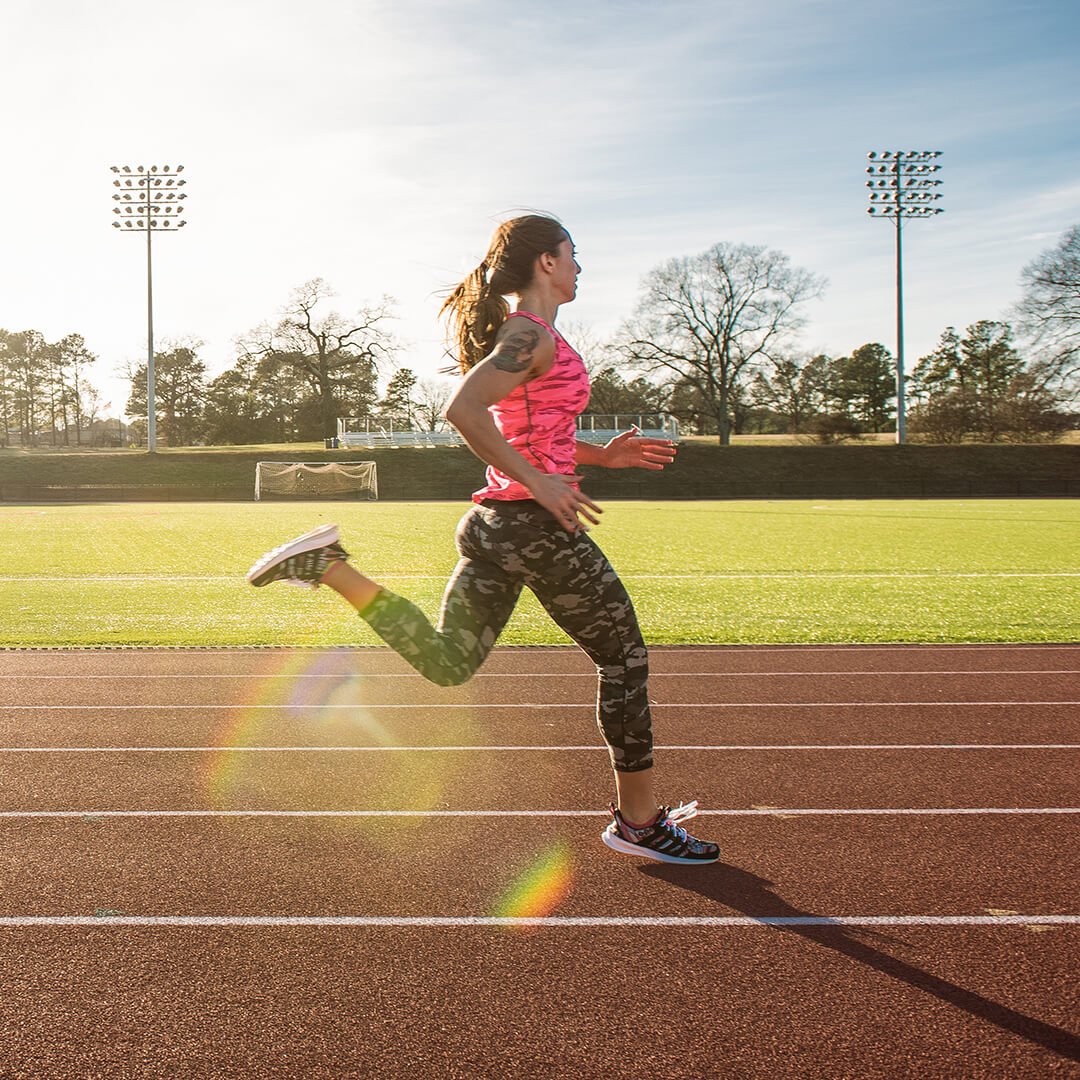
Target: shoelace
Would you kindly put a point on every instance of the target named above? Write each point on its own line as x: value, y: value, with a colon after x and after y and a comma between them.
x: 669, y: 820
x: 670, y: 824
x: 672, y: 816
x: 683, y: 812
x: 672, y: 829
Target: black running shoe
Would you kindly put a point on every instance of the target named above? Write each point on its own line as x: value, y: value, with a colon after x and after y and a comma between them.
x: 302, y: 561
x: 665, y: 840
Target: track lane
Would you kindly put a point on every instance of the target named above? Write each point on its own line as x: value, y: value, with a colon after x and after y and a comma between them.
x: 515, y: 725
x: 327, y: 1003
x: 419, y: 868
x: 144, y: 780
x: 516, y: 660
x: 804, y: 1001
x: 383, y: 691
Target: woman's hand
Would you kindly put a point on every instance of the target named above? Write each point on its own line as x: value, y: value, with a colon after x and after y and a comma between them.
x: 555, y: 492
x: 632, y: 451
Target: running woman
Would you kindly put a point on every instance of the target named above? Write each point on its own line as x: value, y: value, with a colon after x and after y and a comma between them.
x: 516, y: 407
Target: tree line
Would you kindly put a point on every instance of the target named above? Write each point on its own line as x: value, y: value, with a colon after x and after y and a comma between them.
x: 712, y: 340
x: 292, y: 380
x: 44, y: 388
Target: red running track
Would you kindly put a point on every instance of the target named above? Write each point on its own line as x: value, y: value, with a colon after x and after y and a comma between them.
x: 298, y: 864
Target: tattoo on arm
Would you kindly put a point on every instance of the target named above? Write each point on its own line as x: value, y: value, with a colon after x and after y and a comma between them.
x: 515, y: 352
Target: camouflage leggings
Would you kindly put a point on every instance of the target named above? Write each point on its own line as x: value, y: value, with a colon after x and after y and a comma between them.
x: 504, y: 547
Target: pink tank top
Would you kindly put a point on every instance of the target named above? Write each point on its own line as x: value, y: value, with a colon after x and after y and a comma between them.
x: 538, y: 419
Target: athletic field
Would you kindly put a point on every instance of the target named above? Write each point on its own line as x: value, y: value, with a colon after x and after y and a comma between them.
x: 713, y: 572
x: 306, y: 861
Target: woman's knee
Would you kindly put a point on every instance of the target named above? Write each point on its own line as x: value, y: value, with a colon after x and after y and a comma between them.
x: 449, y: 675
x: 629, y: 663
x: 630, y: 750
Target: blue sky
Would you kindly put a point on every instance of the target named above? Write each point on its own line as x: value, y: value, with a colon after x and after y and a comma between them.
x: 377, y: 144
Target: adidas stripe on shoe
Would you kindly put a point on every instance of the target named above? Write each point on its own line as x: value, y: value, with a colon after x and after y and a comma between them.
x: 665, y: 840
x: 302, y: 561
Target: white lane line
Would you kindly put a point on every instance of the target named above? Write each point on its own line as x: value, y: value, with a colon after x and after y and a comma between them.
x: 361, y: 675
x: 762, y: 811
x: 762, y: 747
x: 547, y: 921
x: 431, y: 706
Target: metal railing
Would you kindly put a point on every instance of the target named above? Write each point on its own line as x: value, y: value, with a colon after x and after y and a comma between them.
x: 600, y: 427
x: 591, y: 427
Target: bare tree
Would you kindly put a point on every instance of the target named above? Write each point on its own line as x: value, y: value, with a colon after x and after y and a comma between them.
x: 1049, y: 316
x: 597, y: 354
x: 328, y: 351
x: 709, y: 320
x: 89, y: 406
x: 430, y: 401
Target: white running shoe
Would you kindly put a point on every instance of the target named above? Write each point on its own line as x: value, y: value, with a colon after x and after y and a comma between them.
x: 302, y: 561
x: 665, y: 840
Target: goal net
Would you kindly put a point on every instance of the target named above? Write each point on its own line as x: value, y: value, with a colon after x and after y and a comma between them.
x: 316, y: 479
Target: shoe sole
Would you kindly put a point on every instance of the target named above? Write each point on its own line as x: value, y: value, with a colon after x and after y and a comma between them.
x: 323, y: 536
x: 624, y: 847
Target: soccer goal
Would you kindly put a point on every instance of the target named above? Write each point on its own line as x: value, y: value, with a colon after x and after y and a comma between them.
x: 316, y: 480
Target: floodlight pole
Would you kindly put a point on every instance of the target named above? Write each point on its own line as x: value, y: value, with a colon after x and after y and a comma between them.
x: 142, y: 190
x: 901, y: 397
x: 151, y: 402
x: 896, y: 175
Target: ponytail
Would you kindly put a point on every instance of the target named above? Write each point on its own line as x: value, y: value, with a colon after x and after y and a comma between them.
x: 476, y: 308
x: 476, y: 312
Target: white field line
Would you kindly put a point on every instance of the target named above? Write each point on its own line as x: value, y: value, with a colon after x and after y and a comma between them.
x: 762, y: 748
x: 756, y: 811
x: 432, y: 707
x: 746, y: 576
x: 548, y: 922
x: 293, y: 649
x: 415, y: 676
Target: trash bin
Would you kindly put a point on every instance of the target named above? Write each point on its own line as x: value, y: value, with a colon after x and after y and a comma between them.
x: 331, y: 443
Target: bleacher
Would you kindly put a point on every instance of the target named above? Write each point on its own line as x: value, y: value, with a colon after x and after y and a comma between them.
x: 353, y: 432
x: 603, y: 427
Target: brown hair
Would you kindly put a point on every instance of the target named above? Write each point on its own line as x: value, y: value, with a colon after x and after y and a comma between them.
x: 476, y: 307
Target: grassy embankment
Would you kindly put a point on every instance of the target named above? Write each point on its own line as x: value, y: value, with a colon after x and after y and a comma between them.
x: 703, y: 470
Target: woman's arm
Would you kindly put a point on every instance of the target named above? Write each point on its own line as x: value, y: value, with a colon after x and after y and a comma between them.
x: 521, y: 352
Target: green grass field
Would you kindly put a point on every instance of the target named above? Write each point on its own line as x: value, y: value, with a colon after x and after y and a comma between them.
x: 699, y: 572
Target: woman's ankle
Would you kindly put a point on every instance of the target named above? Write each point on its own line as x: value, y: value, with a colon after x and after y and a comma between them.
x: 647, y: 819
x: 352, y: 585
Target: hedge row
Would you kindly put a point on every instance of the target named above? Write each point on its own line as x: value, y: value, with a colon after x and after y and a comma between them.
x: 701, y: 471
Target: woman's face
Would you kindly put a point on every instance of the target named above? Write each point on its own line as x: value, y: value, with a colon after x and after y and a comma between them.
x: 566, y: 271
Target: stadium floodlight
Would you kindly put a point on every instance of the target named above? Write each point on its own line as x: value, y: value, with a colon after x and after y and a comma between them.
x: 902, y: 187
x: 138, y: 211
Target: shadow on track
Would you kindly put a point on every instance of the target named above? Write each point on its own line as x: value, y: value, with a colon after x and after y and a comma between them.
x: 754, y: 896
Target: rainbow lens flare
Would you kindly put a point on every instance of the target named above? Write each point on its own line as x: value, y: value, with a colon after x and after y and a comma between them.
x: 541, y: 887
x: 320, y: 700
